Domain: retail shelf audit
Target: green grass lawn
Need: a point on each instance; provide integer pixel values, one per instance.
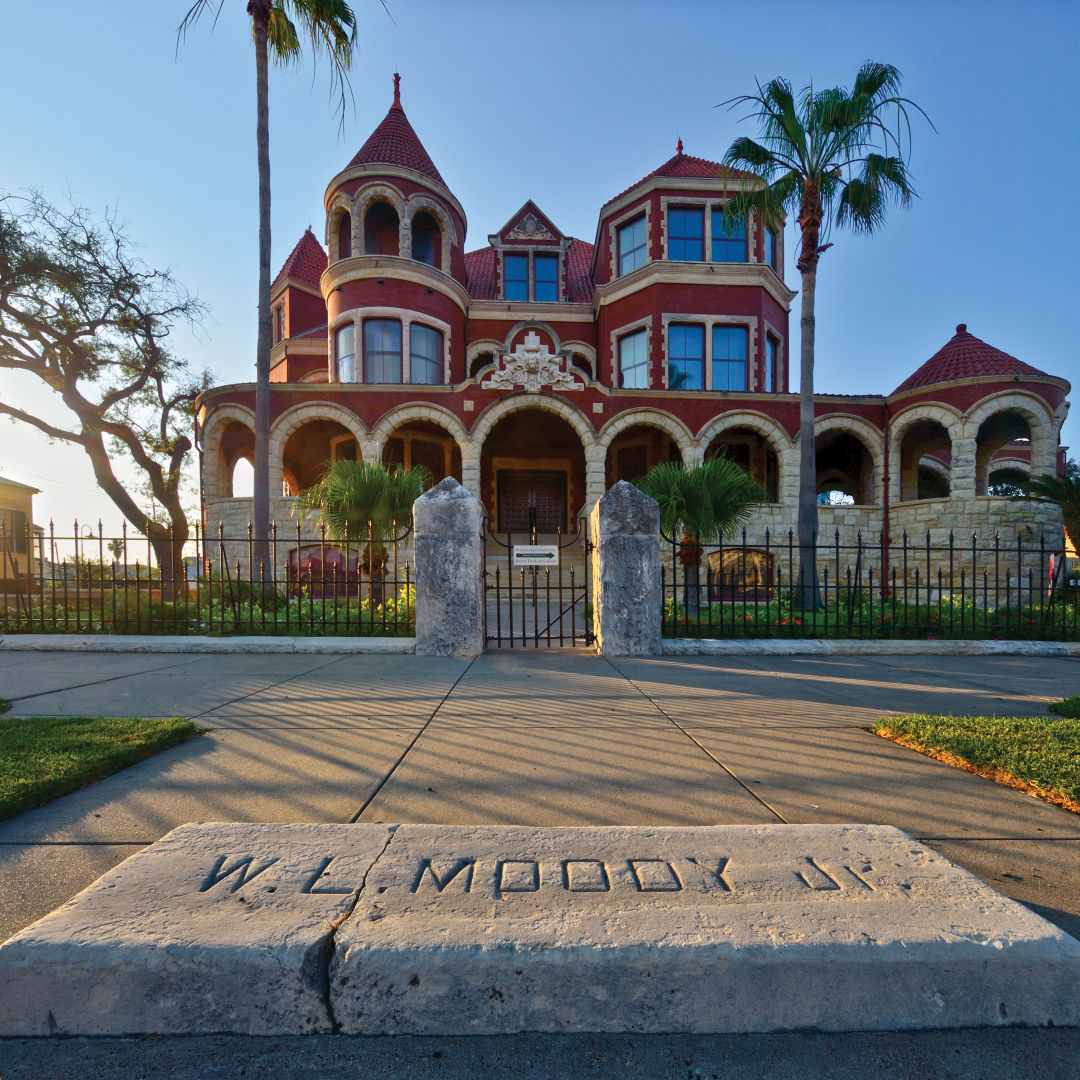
(42, 758)
(1039, 754)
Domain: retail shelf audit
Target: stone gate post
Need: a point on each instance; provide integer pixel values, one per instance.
(625, 530)
(448, 525)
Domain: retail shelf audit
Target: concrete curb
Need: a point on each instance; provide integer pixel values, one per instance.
(861, 647)
(385, 646)
(163, 643)
(478, 930)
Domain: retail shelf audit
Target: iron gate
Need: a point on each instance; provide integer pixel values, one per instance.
(538, 605)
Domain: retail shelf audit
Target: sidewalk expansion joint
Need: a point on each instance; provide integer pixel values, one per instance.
(263, 689)
(95, 682)
(704, 749)
(416, 738)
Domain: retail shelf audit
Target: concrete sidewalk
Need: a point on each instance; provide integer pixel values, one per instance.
(545, 738)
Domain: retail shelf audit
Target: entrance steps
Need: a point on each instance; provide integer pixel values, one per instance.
(459, 930)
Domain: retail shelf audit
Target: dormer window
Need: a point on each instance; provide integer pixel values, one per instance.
(546, 275)
(517, 277)
(728, 238)
(686, 234)
(541, 286)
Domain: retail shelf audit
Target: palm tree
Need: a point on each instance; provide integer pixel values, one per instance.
(367, 503)
(1063, 490)
(700, 504)
(330, 28)
(830, 157)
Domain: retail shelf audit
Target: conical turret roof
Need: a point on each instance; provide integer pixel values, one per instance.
(305, 263)
(394, 142)
(964, 356)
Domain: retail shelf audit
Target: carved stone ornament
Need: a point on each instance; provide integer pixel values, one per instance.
(533, 365)
(529, 228)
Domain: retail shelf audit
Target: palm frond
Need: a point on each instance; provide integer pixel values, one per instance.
(357, 499)
(705, 502)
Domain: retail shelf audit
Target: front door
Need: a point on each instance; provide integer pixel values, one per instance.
(528, 500)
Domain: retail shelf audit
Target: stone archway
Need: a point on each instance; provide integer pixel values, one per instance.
(532, 467)
(223, 446)
(422, 435)
(1001, 420)
(923, 440)
(290, 422)
(769, 436)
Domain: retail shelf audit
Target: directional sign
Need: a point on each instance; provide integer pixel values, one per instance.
(536, 555)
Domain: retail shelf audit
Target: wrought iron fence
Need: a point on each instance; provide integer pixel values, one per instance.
(89, 582)
(908, 588)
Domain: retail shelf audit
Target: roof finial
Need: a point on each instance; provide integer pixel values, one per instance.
(678, 146)
(397, 89)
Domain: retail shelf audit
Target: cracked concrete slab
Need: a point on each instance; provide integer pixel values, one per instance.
(492, 930)
(213, 928)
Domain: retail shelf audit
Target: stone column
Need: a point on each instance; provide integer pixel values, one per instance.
(447, 525)
(625, 530)
(595, 478)
(962, 478)
(470, 469)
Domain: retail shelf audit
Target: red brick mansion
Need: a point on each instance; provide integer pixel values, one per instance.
(538, 368)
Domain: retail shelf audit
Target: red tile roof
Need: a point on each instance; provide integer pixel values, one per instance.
(579, 282)
(394, 142)
(480, 273)
(964, 356)
(306, 263)
(686, 165)
(480, 269)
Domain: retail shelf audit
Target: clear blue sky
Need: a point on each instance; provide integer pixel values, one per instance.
(566, 103)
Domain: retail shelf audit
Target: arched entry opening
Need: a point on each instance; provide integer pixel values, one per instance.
(1007, 428)
(310, 449)
(925, 456)
(845, 470)
(753, 453)
(420, 442)
(1007, 481)
(635, 450)
(532, 473)
(237, 450)
(381, 230)
(426, 239)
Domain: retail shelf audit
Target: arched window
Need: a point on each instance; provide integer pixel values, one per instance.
(344, 236)
(381, 230)
(345, 352)
(426, 240)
